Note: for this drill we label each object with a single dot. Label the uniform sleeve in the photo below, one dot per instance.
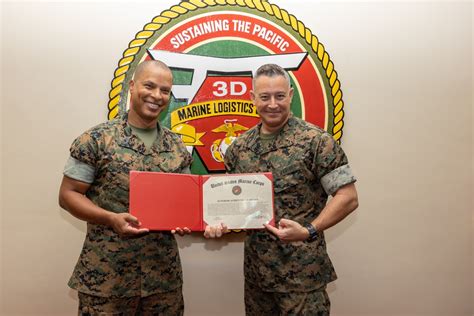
(188, 163)
(85, 149)
(331, 165)
(78, 170)
(229, 158)
(183, 153)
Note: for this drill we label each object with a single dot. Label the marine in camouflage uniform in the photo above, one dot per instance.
(285, 272)
(117, 268)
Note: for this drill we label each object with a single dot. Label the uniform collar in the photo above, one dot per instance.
(281, 140)
(128, 140)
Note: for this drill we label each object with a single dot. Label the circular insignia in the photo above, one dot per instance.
(213, 47)
(236, 190)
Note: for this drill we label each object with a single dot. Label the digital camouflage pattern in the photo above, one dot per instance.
(301, 157)
(163, 304)
(110, 265)
(312, 303)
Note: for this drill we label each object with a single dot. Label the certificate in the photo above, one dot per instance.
(165, 201)
(239, 201)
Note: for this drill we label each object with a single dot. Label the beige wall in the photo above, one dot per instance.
(406, 73)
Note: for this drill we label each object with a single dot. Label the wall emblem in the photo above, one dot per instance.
(213, 48)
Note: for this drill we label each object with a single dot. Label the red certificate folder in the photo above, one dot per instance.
(165, 201)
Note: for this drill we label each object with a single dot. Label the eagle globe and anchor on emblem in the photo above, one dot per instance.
(219, 146)
(205, 111)
(212, 99)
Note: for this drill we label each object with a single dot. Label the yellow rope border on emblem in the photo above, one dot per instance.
(261, 5)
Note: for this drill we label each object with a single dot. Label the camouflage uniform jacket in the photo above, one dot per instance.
(110, 265)
(307, 165)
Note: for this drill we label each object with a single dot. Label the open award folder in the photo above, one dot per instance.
(165, 201)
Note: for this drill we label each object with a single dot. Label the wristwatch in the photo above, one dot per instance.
(313, 233)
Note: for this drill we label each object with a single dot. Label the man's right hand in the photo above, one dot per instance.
(216, 231)
(125, 224)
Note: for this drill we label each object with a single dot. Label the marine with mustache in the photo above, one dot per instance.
(287, 267)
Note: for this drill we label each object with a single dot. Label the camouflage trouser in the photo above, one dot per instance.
(163, 304)
(260, 303)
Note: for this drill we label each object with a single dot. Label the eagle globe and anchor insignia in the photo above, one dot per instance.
(214, 48)
(219, 146)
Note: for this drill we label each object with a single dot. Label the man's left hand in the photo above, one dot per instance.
(181, 231)
(288, 231)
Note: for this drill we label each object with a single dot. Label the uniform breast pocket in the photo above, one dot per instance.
(290, 178)
(166, 162)
(291, 187)
(116, 167)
